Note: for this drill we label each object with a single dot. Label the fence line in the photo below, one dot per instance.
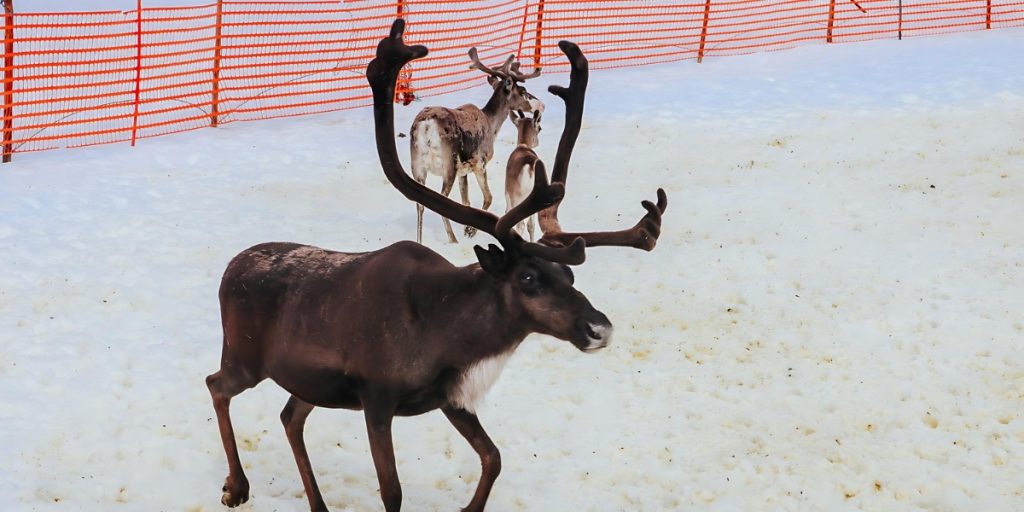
(80, 79)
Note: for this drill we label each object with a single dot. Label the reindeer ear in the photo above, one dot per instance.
(494, 81)
(492, 259)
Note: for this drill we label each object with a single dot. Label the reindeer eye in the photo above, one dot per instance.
(528, 278)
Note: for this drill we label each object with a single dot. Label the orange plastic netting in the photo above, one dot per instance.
(75, 79)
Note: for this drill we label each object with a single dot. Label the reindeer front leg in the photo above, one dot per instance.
(490, 459)
(379, 414)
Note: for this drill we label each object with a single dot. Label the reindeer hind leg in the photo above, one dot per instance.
(464, 189)
(481, 179)
(223, 386)
(420, 176)
(446, 189)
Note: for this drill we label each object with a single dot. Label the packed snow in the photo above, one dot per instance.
(831, 319)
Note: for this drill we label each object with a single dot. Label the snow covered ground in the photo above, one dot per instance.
(831, 320)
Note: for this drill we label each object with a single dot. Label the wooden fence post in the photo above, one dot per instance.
(215, 104)
(8, 79)
(704, 31)
(988, 14)
(138, 68)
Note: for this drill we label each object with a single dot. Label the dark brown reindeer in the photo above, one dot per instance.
(372, 331)
(519, 169)
(454, 142)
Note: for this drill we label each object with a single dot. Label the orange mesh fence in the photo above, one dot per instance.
(85, 78)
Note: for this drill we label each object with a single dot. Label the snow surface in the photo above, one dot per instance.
(831, 320)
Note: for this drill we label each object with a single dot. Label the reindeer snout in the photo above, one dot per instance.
(598, 333)
(536, 105)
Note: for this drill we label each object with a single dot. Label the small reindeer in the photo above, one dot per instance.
(372, 331)
(520, 167)
(454, 142)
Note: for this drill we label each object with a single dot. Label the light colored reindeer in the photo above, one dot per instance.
(453, 142)
(521, 163)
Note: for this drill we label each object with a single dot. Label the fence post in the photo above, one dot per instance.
(215, 104)
(899, 22)
(522, 30)
(831, 20)
(539, 40)
(138, 68)
(704, 31)
(8, 79)
(988, 14)
(403, 86)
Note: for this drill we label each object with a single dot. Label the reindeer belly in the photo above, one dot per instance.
(334, 389)
(323, 388)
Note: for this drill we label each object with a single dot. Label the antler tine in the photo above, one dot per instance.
(382, 73)
(507, 65)
(572, 254)
(475, 57)
(644, 235)
(542, 196)
(519, 77)
(574, 97)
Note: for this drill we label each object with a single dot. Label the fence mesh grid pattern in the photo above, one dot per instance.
(85, 78)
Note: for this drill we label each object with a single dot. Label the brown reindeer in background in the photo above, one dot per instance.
(519, 169)
(373, 331)
(454, 142)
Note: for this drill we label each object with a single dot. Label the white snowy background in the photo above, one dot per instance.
(831, 319)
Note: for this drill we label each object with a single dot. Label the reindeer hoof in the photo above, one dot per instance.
(234, 494)
(470, 231)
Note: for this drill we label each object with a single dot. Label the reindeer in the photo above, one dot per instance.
(519, 169)
(372, 331)
(452, 143)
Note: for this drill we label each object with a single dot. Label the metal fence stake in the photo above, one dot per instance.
(8, 79)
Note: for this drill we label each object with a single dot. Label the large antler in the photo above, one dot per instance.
(509, 69)
(519, 77)
(644, 235)
(381, 73)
